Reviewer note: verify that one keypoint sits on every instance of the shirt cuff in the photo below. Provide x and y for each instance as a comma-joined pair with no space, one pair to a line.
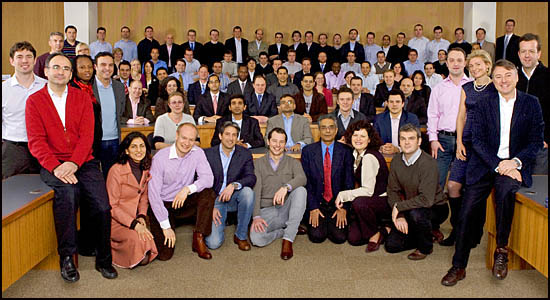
130,121
165,224
248,145
201,121
289,187
192,188
302,145
146,121
519,162
239,186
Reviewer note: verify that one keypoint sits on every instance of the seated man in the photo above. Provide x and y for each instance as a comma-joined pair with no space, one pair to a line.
260,104
263,67
296,127
387,124
242,85
184,78
124,75
229,67
137,109
370,79
234,179
335,78
224,79
432,78
174,192
414,102
249,135
279,194
413,64
383,89
328,166
306,69
362,102
344,114
310,103
68,167
162,73
417,200
198,88
213,104
291,64
272,77
283,85
351,65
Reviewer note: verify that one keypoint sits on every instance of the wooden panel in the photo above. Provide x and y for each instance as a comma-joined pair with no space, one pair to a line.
530,17
32,22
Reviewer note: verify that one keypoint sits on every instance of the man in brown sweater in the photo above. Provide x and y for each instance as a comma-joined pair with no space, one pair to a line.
280,195
417,201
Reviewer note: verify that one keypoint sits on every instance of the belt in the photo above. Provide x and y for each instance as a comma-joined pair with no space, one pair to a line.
26,144
449,133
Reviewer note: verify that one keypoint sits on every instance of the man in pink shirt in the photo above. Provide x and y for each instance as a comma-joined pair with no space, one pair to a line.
335,78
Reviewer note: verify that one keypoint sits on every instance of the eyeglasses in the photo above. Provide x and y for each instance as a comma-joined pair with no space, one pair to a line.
289,102
330,127
57,67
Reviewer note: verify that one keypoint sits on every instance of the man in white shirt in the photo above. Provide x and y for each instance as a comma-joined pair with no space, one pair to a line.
100,45
370,80
16,157
432,78
436,44
386,40
192,65
419,42
129,47
371,48
351,65
292,65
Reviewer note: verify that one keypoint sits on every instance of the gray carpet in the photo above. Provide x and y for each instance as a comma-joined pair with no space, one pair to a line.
316,270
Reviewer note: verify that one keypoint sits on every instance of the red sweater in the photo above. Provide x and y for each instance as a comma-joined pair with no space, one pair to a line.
49,142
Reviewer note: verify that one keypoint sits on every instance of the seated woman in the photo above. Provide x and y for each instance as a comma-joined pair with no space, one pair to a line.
420,86
82,49
321,86
149,81
167,87
166,124
117,53
370,203
132,243
137,110
349,75
400,72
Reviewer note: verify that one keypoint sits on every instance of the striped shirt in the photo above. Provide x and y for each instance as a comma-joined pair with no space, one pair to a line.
69,50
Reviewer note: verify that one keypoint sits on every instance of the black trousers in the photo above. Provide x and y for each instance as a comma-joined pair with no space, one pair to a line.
472,214
327,226
92,193
420,223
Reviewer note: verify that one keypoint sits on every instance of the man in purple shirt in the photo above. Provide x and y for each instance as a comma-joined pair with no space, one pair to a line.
335,78
174,193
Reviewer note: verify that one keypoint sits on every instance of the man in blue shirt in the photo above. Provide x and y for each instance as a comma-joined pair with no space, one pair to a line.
100,45
129,47
184,78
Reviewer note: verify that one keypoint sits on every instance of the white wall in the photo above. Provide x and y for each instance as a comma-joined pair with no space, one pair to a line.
83,15
480,14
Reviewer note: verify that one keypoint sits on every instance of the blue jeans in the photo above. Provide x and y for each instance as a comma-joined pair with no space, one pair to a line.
108,155
444,159
241,201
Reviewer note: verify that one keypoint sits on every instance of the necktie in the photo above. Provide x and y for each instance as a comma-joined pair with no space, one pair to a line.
260,100
322,67
242,87
327,194
181,80
506,40
215,102
202,88
193,46
125,88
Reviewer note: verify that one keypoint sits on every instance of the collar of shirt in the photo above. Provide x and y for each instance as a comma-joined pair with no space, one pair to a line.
100,84
289,118
174,153
225,157
257,96
509,103
36,80
532,71
241,82
63,95
413,158
463,80
350,114
134,101
398,117
330,148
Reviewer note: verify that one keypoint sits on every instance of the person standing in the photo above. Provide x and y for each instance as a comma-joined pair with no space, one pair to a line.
56,45
507,46
146,45
129,47
69,45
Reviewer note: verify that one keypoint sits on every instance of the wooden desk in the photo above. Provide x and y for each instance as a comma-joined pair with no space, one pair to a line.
145,129
528,244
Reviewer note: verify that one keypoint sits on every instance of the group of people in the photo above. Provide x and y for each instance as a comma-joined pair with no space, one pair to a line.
487,129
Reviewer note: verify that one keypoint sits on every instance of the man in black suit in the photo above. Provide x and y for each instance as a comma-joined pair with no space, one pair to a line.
310,48
362,102
354,46
144,46
242,85
234,178
213,50
414,102
231,44
383,89
213,104
329,51
249,135
260,104
277,50
306,69
507,134
344,114
192,44
328,166
170,52
398,52
199,87
322,64
508,44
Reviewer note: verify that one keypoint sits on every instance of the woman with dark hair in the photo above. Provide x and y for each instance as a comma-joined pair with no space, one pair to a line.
132,243
420,86
349,75
149,81
321,86
167,86
370,203
400,72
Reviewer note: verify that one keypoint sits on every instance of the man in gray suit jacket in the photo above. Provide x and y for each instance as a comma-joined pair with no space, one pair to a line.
298,130
485,45
256,46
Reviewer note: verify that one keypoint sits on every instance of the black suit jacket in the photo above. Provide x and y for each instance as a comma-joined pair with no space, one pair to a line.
417,106
382,124
250,131
241,167
261,70
143,110
526,136
316,67
197,52
511,50
381,93
367,106
230,45
312,53
272,50
205,107
174,55
298,76
234,88
359,52
268,107
332,54
194,91
341,173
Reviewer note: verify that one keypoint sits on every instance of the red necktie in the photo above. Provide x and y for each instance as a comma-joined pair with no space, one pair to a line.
327,194
125,88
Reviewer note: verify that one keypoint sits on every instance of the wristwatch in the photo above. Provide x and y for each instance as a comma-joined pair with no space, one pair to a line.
235,185
288,188
517,162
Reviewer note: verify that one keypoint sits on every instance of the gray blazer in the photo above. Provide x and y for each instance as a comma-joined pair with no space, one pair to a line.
120,99
253,50
300,132
490,48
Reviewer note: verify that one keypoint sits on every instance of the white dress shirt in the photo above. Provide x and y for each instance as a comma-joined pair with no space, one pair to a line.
433,48
59,103
239,54
420,45
506,111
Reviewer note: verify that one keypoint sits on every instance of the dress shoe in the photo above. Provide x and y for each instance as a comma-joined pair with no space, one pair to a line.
453,276
68,269
199,246
437,236
243,244
500,266
302,230
417,255
449,241
108,272
286,250
373,246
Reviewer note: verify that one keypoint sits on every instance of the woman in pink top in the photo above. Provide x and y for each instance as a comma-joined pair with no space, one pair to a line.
321,86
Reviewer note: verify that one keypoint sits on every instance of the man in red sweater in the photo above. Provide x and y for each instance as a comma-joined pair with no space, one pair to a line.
60,128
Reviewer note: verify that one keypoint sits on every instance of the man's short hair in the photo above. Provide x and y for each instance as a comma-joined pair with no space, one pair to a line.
444,51
373,34
366,62
248,59
349,72
327,116
102,54
69,27
459,50
217,62
213,30
381,51
421,26
121,28
189,124
259,76
236,96
506,64
320,34
413,50
459,28
428,63
531,37
229,124
237,27
277,130
356,78
101,28
181,60
256,31
438,28
353,30
510,20
153,48
310,32
262,53
20,46
51,56
213,75
308,75
482,29
389,71
386,35
227,51
54,33
336,34
344,89
306,58
396,92
403,34
162,68
191,30
286,96
276,33
409,128
282,68
124,63
291,51
148,27
298,32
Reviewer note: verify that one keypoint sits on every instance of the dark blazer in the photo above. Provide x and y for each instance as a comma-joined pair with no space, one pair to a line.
316,67
381,93
241,167
417,106
143,110
234,88
382,124
312,53
194,91
511,50
268,108
230,45
359,52
250,131
332,54
174,55
318,105
367,106
120,99
261,70
197,52
204,107
272,50
526,136
357,116
341,173
298,76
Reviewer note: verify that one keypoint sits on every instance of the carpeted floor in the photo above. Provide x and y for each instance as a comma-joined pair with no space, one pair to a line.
316,270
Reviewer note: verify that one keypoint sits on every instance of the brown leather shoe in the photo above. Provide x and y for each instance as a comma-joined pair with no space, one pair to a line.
199,246
500,266
453,276
243,244
417,255
286,251
373,246
437,236
302,230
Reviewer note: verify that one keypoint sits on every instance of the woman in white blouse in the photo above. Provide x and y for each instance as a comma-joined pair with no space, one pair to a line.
370,207
167,124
